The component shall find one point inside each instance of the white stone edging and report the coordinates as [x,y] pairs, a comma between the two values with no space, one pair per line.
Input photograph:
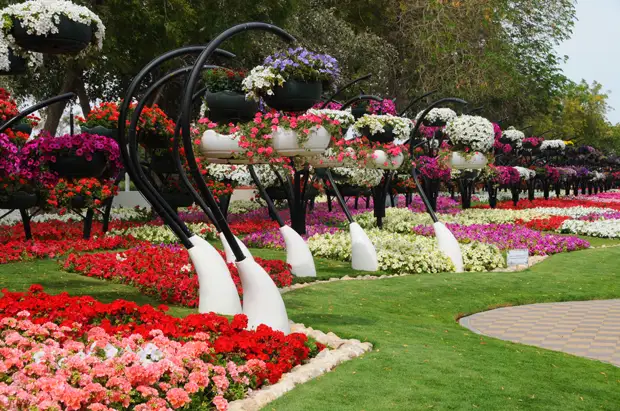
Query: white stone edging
[339,351]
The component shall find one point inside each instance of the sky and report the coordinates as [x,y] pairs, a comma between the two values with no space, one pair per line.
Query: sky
[594,49]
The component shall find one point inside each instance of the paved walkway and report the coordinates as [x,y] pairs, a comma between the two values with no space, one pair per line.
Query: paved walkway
[588,329]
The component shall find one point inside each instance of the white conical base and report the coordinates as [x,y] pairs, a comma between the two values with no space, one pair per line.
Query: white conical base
[262,302]
[363,253]
[448,244]
[298,254]
[217,292]
[230,257]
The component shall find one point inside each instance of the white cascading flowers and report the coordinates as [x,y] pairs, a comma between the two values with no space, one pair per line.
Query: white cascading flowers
[514,135]
[260,81]
[376,124]
[238,174]
[360,177]
[525,173]
[553,145]
[442,114]
[473,132]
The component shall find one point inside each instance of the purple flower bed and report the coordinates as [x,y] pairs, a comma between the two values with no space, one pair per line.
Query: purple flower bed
[273,238]
[510,236]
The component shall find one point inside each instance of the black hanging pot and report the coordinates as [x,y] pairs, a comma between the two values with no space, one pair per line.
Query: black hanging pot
[153,140]
[78,202]
[163,163]
[101,131]
[23,128]
[74,166]
[436,123]
[359,111]
[387,136]
[230,107]
[505,140]
[295,95]
[178,199]
[19,199]
[528,145]
[17,64]
[71,38]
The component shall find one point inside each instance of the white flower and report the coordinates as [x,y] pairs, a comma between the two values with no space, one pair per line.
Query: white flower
[361,177]
[261,81]
[553,145]
[238,174]
[438,114]
[514,135]
[525,173]
[474,132]
[376,124]
[110,351]
[598,228]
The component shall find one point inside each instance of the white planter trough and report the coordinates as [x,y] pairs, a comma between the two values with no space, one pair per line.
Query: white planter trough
[381,159]
[476,161]
[285,142]
[222,146]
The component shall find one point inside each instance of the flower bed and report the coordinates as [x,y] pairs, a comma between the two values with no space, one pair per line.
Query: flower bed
[510,236]
[77,353]
[544,224]
[165,272]
[599,228]
[406,253]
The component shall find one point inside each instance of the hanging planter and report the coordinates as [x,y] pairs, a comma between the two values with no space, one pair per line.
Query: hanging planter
[384,161]
[383,128]
[291,80]
[101,131]
[52,27]
[19,200]
[74,166]
[178,199]
[225,98]
[461,161]
[437,117]
[223,146]
[163,163]
[289,143]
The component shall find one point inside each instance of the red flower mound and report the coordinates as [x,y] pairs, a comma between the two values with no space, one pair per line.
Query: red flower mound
[164,272]
[551,223]
[229,338]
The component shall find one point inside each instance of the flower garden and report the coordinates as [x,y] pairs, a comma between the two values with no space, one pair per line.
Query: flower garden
[358,222]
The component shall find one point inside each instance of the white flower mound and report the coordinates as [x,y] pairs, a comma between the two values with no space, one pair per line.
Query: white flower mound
[474,132]
[515,136]
[237,174]
[599,228]
[526,173]
[41,17]
[438,114]
[261,80]
[553,145]
[361,177]
[345,118]
[377,123]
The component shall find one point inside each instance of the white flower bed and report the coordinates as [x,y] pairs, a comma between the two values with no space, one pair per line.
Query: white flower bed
[553,145]
[345,118]
[163,234]
[474,132]
[377,123]
[599,228]
[406,253]
[574,212]
[437,114]
[514,135]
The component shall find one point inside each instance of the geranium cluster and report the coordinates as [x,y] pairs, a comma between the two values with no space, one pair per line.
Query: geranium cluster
[88,192]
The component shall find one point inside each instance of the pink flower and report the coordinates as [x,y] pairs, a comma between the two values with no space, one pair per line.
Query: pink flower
[220,403]
[177,397]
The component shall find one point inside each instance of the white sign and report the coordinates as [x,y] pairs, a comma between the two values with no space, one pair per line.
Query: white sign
[517,257]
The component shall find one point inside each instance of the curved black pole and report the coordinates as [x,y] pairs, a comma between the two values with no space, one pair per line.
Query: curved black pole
[361,97]
[548,131]
[263,193]
[343,88]
[415,101]
[474,110]
[499,122]
[32,109]
[185,122]
[416,129]
[153,197]
[343,204]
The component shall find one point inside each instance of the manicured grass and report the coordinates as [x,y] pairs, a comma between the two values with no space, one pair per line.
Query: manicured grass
[423,359]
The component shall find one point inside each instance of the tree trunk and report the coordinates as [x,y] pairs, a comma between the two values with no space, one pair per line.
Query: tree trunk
[83,96]
[54,112]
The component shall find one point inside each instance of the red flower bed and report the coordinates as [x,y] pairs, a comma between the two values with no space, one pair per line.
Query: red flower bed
[551,223]
[252,226]
[165,272]
[56,230]
[28,250]
[561,203]
[229,339]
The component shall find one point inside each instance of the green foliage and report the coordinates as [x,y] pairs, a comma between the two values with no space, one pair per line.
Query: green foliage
[223,80]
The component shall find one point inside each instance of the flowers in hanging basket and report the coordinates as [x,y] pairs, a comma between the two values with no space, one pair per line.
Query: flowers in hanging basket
[224,79]
[42,18]
[8,156]
[514,136]
[437,116]
[155,127]
[385,106]
[553,145]
[91,192]
[292,64]
[332,105]
[344,118]
[359,176]
[377,124]
[237,175]
[504,175]
[103,115]
[80,145]
[470,133]
[532,142]
[525,173]
[551,173]
[432,168]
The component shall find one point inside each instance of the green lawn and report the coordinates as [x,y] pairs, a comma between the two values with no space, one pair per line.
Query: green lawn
[423,359]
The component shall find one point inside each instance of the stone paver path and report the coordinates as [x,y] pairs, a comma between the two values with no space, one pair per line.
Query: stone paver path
[589,329]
